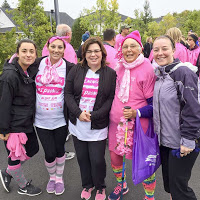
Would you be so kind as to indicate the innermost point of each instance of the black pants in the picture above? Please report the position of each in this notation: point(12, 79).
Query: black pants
point(53, 142)
point(91, 160)
point(176, 174)
point(31, 146)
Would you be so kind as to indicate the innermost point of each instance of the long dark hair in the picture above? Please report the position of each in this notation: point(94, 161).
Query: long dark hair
point(88, 42)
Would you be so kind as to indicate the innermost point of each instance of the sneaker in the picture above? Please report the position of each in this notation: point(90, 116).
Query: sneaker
point(5, 179)
point(86, 193)
point(60, 188)
point(51, 187)
point(69, 155)
point(116, 194)
point(67, 138)
point(29, 190)
point(100, 195)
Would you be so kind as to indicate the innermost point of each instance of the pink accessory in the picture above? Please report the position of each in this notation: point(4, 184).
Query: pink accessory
point(123, 94)
point(50, 75)
point(57, 38)
point(120, 134)
point(13, 56)
point(134, 35)
point(15, 145)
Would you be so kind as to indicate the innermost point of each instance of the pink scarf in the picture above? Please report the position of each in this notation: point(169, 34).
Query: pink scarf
point(15, 145)
point(50, 74)
point(123, 94)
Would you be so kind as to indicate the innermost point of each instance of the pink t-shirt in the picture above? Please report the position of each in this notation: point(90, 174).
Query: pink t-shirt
point(141, 88)
point(69, 54)
point(110, 58)
point(118, 40)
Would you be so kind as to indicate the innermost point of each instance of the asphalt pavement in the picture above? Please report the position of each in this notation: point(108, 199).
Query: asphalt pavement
point(34, 169)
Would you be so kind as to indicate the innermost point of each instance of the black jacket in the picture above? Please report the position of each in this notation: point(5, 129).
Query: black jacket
point(17, 98)
point(104, 98)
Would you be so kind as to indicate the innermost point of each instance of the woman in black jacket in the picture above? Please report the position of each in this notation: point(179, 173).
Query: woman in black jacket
point(89, 93)
point(17, 108)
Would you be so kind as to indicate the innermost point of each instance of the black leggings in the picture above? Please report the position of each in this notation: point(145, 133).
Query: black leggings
point(91, 160)
point(53, 142)
point(31, 146)
point(177, 173)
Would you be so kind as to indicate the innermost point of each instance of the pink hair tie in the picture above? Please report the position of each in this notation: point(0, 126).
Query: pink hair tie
point(58, 38)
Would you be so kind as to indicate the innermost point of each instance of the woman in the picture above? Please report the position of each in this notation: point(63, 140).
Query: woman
point(50, 120)
point(177, 111)
point(90, 90)
point(148, 47)
point(135, 89)
point(181, 51)
point(194, 50)
point(17, 108)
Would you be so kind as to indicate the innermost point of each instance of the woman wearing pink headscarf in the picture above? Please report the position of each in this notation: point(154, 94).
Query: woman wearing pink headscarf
point(50, 118)
point(134, 88)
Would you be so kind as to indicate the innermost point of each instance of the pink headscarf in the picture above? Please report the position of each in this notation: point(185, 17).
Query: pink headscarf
point(53, 38)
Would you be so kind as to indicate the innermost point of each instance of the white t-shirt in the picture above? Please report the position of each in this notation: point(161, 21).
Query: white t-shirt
point(82, 130)
point(50, 100)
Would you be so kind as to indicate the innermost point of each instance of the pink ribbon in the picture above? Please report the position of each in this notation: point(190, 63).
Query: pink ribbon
point(58, 38)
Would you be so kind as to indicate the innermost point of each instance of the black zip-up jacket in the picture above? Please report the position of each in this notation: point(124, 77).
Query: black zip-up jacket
point(104, 98)
point(17, 98)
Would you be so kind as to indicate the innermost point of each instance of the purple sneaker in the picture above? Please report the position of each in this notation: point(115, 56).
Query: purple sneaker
point(51, 187)
point(60, 188)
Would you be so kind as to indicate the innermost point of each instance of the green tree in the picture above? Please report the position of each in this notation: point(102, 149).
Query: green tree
point(112, 17)
point(147, 15)
point(167, 22)
point(77, 32)
point(7, 46)
point(32, 20)
point(103, 15)
point(192, 22)
point(5, 5)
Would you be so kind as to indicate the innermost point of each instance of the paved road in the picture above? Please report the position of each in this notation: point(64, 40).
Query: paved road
point(34, 169)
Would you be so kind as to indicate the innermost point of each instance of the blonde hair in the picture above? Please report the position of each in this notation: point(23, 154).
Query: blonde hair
point(175, 33)
point(148, 38)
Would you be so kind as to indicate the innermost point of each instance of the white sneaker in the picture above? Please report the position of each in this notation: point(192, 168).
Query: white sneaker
point(67, 138)
point(69, 155)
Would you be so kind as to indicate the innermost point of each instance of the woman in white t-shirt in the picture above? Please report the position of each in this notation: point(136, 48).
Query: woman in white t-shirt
point(90, 89)
point(50, 120)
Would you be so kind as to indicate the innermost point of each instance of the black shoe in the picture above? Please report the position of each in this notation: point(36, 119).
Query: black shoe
point(5, 179)
point(29, 190)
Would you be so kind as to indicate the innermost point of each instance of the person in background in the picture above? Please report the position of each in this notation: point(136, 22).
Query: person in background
point(51, 118)
point(148, 47)
point(180, 50)
point(191, 32)
point(135, 83)
point(194, 50)
point(17, 110)
point(119, 37)
point(85, 36)
point(109, 42)
point(64, 31)
point(90, 90)
point(176, 114)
